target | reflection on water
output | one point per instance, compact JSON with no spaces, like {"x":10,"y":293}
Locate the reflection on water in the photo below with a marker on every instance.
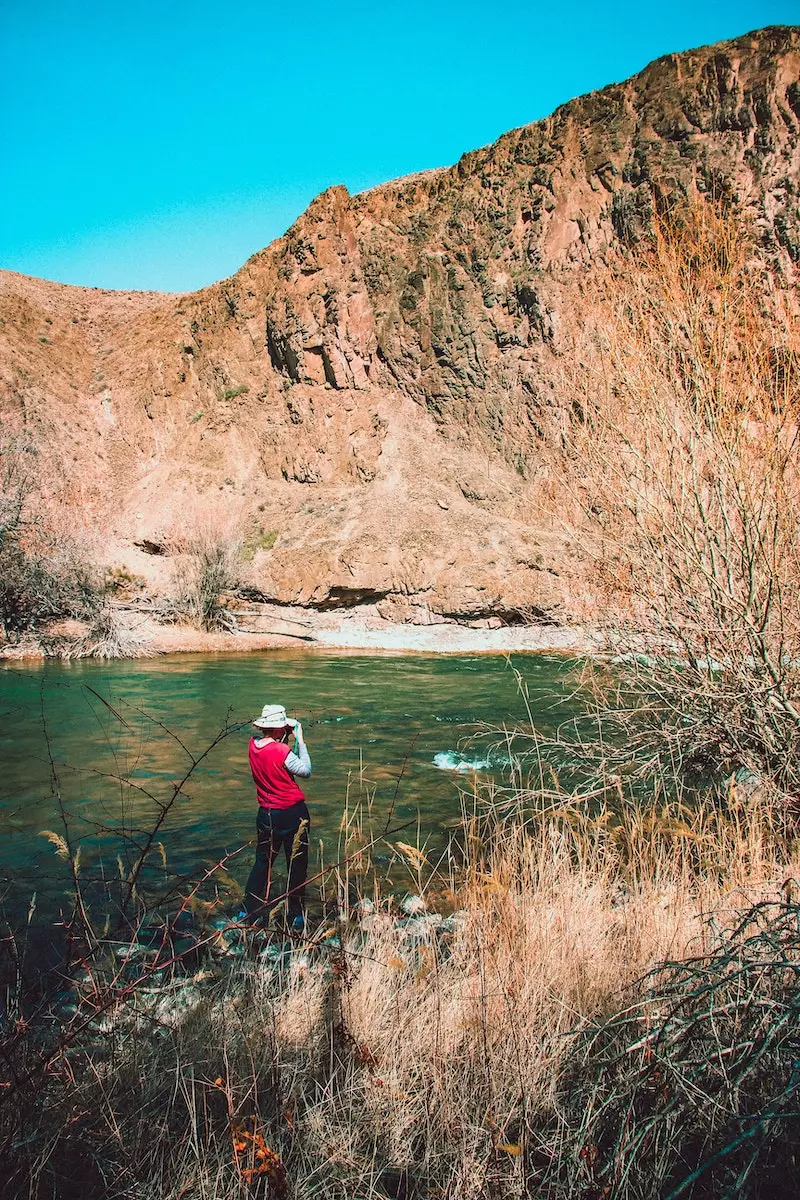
{"x":367,"y":718}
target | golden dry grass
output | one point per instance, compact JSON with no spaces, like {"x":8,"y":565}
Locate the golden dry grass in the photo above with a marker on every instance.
{"x":415,"y":1058}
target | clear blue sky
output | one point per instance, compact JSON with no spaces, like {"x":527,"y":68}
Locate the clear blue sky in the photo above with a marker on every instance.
{"x":157,"y":143}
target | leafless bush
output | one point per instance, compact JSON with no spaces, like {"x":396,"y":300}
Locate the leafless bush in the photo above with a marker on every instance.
{"x":108,"y":637}
{"x":43,"y":575}
{"x":207,"y":563}
{"x":682,"y":455}
{"x":692,"y":1089}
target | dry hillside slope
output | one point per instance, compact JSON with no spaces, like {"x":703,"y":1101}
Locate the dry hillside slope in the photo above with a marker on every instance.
{"x":374,"y":387}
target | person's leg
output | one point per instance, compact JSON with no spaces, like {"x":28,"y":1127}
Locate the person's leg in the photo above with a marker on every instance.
{"x":296,"y":843}
{"x":256,"y":892}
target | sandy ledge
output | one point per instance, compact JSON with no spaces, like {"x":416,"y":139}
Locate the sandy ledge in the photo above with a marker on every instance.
{"x":298,"y":628}
{"x":335,"y":631}
{"x":454,"y":639}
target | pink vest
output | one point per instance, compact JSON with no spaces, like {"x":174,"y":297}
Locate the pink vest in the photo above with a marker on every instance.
{"x":275,"y":787}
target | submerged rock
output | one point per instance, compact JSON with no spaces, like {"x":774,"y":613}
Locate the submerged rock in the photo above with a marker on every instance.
{"x":412,"y":905}
{"x":131,"y":950}
{"x":453,"y":923}
{"x":418,"y":930}
{"x":219,"y":923}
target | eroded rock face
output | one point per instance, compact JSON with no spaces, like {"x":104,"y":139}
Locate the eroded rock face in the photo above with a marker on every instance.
{"x":372,"y":386}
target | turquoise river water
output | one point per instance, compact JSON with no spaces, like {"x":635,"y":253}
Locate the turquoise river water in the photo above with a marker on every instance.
{"x":367,"y":718}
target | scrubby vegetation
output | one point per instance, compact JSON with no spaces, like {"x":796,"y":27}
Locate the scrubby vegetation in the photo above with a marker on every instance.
{"x":258,"y":539}
{"x":682,"y":466}
{"x":43,"y":573}
{"x":610,"y":1012}
{"x":108,"y":637}
{"x":208,"y":556}
{"x":46,"y":573}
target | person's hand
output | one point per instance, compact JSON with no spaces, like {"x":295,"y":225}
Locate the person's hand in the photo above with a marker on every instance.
{"x":298,"y":731}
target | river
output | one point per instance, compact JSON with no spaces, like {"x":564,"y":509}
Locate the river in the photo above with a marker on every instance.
{"x":384,"y":732}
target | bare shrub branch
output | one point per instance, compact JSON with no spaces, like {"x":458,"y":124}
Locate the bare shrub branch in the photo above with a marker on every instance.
{"x":43,"y":572}
{"x":683,"y":460}
{"x":208,"y":557}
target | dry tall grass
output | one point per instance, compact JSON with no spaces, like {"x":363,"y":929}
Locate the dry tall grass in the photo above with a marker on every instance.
{"x":430,"y":1058}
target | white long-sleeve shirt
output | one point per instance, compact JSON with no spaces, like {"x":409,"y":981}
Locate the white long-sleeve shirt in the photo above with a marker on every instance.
{"x":298,"y":761}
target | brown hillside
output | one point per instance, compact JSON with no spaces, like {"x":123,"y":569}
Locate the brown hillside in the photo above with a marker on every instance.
{"x":374,"y":386}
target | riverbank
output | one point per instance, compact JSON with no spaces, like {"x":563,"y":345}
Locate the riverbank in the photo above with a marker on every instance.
{"x":274,"y":628}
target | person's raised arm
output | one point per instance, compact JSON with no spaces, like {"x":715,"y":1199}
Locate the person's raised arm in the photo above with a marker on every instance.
{"x":298,"y":761}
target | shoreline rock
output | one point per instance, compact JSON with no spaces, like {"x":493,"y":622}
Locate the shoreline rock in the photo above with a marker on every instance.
{"x":154,"y":990}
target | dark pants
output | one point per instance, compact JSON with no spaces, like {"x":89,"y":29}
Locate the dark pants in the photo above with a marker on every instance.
{"x":279,"y":829}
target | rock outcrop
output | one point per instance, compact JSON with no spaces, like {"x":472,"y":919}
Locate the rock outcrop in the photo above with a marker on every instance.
{"x":369,"y":391}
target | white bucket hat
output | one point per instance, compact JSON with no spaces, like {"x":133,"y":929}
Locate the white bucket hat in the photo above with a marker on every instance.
{"x":273,"y":716}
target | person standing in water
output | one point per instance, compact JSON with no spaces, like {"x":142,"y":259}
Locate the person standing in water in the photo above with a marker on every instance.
{"x":283,"y":820}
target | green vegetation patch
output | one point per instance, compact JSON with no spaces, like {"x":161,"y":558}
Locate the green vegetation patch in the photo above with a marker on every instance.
{"x":259,"y":539}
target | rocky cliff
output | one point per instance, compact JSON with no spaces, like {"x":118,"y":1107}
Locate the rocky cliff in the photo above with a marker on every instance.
{"x":369,"y":393}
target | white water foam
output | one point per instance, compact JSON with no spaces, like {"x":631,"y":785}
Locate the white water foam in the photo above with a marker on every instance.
{"x":451,"y":760}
